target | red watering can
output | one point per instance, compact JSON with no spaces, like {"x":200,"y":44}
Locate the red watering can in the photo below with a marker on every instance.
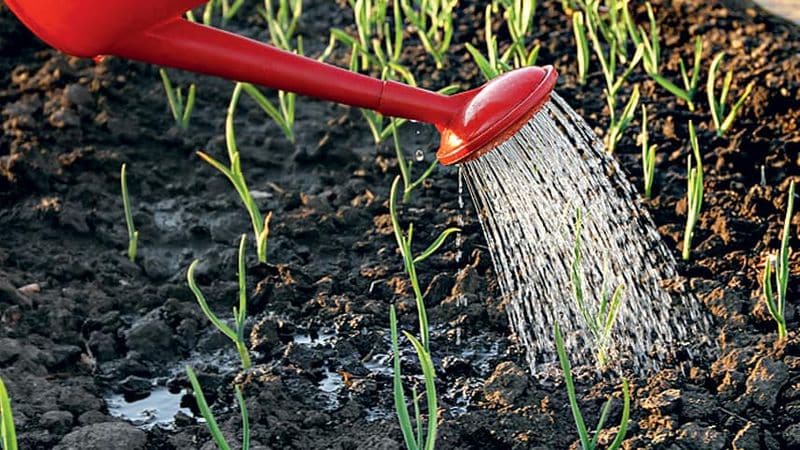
{"x":154,"y":31}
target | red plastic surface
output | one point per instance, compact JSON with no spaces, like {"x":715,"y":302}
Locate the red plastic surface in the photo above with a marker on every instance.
{"x":498,"y":111}
{"x":153,"y":31}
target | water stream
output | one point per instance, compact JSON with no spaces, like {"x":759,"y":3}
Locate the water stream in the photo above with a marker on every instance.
{"x":527,"y":192}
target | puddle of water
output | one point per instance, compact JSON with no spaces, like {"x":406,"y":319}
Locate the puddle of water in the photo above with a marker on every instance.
{"x":330,"y":385}
{"x":320,"y":337}
{"x":156,"y":410}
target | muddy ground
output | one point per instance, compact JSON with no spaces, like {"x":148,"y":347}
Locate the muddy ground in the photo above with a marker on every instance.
{"x":84,"y":331}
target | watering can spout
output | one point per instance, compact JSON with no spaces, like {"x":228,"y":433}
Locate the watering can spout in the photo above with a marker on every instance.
{"x":154,"y":31}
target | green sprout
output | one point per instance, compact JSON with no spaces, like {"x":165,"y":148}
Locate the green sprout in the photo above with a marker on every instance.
{"x":608,"y":63}
{"x":211,"y":422}
{"x":582,"y":45}
{"x":583,"y":432}
{"x":780,"y":265}
{"x":236,"y":177}
{"x":648,"y":156}
{"x":723,"y":123}
{"x":406,"y":166}
{"x":611,"y":20}
{"x":133,"y":233}
{"x":377,"y":48}
{"x":239,"y":313}
{"x":181,"y":111}
{"x":495,"y":64}
{"x":410,"y":261}
{"x":282,"y":24}
{"x":414,"y":441}
{"x":433,"y":22}
{"x":600,"y":322}
{"x":652,"y":55}
{"x":8,"y":434}
{"x":694,"y":195}
{"x":227,"y":11}
{"x":518,"y":15}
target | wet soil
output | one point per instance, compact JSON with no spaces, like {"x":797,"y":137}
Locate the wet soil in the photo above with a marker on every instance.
{"x":84,"y":332}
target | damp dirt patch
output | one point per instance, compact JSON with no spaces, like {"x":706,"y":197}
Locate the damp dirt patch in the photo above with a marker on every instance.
{"x":85,"y":333}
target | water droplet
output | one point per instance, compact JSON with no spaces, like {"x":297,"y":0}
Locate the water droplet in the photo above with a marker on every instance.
{"x":419,"y":155}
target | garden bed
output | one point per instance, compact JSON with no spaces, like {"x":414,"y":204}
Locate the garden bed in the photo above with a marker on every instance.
{"x":83,"y":328}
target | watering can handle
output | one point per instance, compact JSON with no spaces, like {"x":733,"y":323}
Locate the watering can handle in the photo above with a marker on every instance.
{"x":190,"y":46}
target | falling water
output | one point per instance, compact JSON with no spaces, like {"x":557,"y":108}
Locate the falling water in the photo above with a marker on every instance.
{"x":527,"y":192}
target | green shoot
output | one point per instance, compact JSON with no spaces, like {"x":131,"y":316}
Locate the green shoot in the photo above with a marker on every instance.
{"x":8,"y":434}
{"x":652,"y":56}
{"x":433,"y":22}
{"x":495,"y":64}
{"x":227,"y":11}
{"x":694,"y":195}
{"x":282,"y":24}
{"x":600,"y":322}
{"x":406,"y":166}
{"x":583,"y":432}
{"x":518,"y":15}
{"x":181,"y":112}
{"x":239,"y":313}
{"x":211,"y":422}
{"x":780,"y":265}
{"x":414,"y":441}
{"x":723,"y":123}
{"x":491,"y":65}
{"x":372,"y":31}
{"x":652,"y":46}
{"x":648,"y":156}
{"x":133,"y":233}
{"x":608,"y":64}
{"x":377,"y":47}
{"x":582,"y":45}
{"x":236,"y":177}
{"x":410,"y":261}
{"x":619,"y":124}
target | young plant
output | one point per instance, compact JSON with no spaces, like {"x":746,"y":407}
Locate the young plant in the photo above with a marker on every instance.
{"x":608,"y":63}
{"x":236,"y":177}
{"x":581,"y":45}
{"x":776,"y":305}
{"x":600,"y":321}
{"x":181,"y":112}
{"x":406,"y":166}
{"x":518,"y":15}
{"x":211,"y":422}
{"x":588,"y":443}
{"x":414,"y":440}
{"x":227,"y":11}
{"x":239,"y":313}
{"x":494,"y":64}
{"x":648,"y":156}
{"x":694,"y":195}
{"x":404,"y":240}
{"x":377,"y":48}
{"x":282,"y":24}
{"x":651,"y":61}
{"x":651,"y":44}
{"x":133,"y":233}
{"x":433,"y":22}
{"x":722,"y":122}
{"x":8,"y":434}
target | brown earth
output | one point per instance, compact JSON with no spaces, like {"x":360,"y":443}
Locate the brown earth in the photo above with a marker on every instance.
{"x":80,"y":323}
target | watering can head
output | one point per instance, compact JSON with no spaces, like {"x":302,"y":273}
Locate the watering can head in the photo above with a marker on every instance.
{"x":492,"y":113}
{"x":471,"y":123}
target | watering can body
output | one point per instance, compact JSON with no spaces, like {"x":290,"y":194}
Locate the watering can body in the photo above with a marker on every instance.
{"x":154,"y":31}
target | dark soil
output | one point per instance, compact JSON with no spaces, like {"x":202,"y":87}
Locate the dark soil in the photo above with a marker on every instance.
{"x":80,"y":323}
